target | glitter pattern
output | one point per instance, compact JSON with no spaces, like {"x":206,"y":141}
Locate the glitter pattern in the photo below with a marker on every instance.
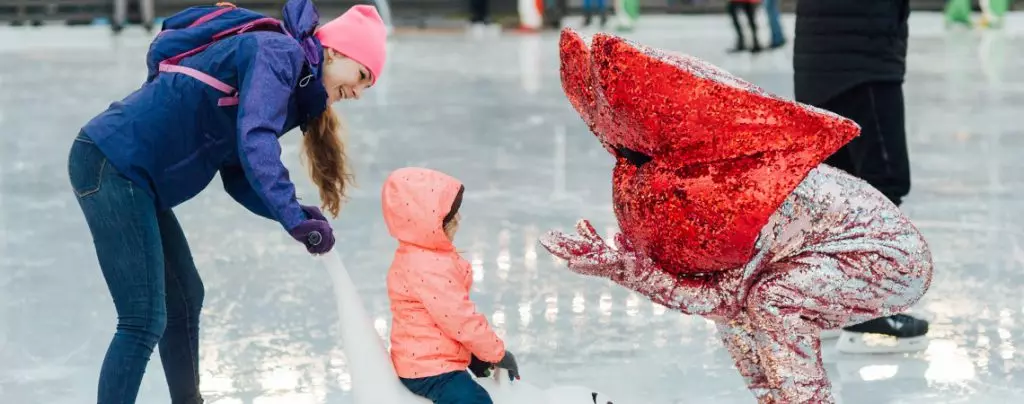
{"x":699,"y":150}
{"x":835,"y":252}
{"x":830,"y":251}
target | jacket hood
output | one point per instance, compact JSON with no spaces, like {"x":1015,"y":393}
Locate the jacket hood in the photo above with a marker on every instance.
{"x":415,"y":202}
{"x":301,"y":19}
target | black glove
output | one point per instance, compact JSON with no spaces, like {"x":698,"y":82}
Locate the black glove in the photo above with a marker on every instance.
{"x":509,"y":363}
{"x":479,"y":367}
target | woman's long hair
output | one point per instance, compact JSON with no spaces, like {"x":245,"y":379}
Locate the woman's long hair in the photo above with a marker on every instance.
{"x":325,"y":153}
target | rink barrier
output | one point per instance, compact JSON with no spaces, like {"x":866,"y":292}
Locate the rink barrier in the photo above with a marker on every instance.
{"x":405,"y":13}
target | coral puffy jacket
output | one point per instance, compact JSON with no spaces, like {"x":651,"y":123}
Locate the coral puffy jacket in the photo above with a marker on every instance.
{"x":435,"y":327}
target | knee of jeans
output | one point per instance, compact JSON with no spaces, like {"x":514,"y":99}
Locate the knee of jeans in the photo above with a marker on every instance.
{"x":195,"y":306}
{"x":148,"y":324}
{"x":196,"y":296}
{"x":190,"y":310}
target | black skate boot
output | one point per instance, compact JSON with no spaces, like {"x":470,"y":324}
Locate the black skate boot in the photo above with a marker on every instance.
{"x":892,"y":334}
{"x":740,"y":46}
{"x":757,"y":46}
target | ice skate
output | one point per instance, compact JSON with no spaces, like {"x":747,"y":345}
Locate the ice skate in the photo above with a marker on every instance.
{"x":892,"y":334}
{"x":740,"y":47}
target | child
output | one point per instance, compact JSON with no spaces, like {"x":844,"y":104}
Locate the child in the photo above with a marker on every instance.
{"x":436,"y":331}
{"x":748,"y":6}
{"x":727,"y":212}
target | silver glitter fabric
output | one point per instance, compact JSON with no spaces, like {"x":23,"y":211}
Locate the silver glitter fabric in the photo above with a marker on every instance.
{"x":835,"y":252}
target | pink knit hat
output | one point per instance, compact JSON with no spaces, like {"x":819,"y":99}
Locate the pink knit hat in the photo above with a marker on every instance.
{"x":359,"y":34}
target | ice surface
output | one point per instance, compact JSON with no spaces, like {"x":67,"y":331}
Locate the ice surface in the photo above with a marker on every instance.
{"x":491,"y":113}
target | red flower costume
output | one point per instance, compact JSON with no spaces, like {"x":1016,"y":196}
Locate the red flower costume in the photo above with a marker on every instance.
{"x":726,"y":211}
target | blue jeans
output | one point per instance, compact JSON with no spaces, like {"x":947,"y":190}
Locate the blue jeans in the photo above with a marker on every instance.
{"x":151,"y":277}
{"x":593,"y":5}
{"x":774,"y":21}
{"x":449,"y":388}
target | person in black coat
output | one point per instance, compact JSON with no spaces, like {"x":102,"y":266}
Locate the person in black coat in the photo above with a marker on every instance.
{"x":849,"y":57}
{"x":479,"y":12}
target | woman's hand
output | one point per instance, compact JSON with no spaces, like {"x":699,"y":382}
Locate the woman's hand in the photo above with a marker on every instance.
{"x":316,"y":235}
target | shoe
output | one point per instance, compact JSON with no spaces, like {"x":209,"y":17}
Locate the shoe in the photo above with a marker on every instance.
{"x":740,"y":47}
{"x":892,"y":334}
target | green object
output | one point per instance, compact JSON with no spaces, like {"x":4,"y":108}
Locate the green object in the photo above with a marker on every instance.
{"x":626,"y":14}
{"x":999,"y":7}
{"x":632,"y":8}
{"x":959,"y":11}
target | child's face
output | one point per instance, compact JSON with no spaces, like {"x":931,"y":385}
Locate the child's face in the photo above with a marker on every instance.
{"x":452,"y":226}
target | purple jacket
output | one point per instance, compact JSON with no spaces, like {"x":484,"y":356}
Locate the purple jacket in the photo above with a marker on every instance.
{"x":171,"y":138}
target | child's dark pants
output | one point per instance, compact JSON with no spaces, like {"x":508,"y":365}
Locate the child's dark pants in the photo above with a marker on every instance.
{"x":449,"y":388}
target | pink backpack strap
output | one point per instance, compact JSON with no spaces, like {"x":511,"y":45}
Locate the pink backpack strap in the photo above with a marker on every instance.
{"x":266,"y":21}
{"x":232,"y":95}
{"x":170,"y":65}
{"x":202,"y":20}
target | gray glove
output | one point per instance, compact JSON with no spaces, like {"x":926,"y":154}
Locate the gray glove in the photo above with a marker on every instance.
{"x":508,"y":362}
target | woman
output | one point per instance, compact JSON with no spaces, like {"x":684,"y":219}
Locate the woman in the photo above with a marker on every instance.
{"x":164,"y":143}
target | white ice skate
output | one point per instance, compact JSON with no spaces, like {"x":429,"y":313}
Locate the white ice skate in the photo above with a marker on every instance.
{"x":374,"y":379}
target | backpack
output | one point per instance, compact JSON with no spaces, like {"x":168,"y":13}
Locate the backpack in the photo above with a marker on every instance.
{"x":196,"y":28}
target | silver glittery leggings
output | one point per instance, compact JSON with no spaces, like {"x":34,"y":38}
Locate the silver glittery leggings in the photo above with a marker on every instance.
{"x":836,"y":252}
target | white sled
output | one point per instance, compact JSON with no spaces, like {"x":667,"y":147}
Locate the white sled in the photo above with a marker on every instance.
{"x":374,"y":379}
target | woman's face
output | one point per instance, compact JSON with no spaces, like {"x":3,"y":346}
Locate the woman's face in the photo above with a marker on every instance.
{"x":344,"y":78}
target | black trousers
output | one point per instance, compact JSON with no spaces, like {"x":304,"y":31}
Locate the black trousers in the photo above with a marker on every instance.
{"x":879,"y":155}
{"x":479,"y":11}
{"x":748,"y":9}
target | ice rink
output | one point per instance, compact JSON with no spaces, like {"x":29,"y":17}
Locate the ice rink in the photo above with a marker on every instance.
{"x":491,"y":112}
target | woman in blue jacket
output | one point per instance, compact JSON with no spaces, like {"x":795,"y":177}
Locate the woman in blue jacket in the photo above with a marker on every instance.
{"x":165,"y":142}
